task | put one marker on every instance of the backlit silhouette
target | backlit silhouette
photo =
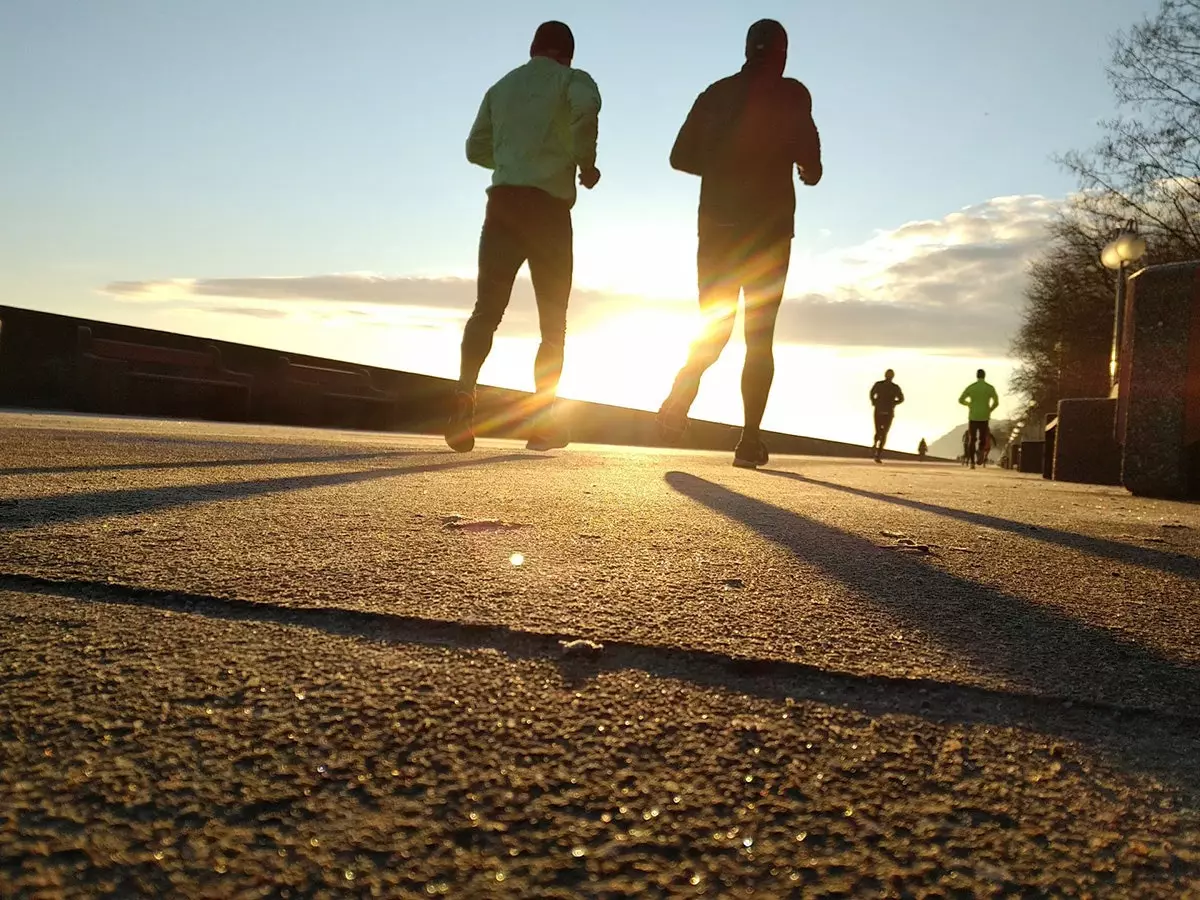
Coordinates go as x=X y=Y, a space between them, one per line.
x=885 y=397
x=743 y=137
x=536 y=127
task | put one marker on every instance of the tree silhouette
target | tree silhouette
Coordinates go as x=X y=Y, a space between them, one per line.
x=1147 y=166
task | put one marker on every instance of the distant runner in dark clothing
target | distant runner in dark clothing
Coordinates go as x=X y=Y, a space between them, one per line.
x=922 y=449
x=987 y=441
x=885 y=397
x=744 y=136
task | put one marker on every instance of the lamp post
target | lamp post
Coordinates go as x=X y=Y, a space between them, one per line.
x=1123 y=250
x=1058 y=365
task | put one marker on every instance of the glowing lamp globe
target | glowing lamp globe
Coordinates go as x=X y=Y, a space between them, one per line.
x=1132 y=247
x=1110 y=257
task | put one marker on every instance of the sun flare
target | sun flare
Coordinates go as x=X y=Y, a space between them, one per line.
x=629 y=361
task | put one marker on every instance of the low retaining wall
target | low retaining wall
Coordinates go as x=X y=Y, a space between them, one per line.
x=39 y=355
x=1085 y=449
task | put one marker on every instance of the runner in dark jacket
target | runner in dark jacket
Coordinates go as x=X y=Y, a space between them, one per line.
x=885 y=397
x=744 y=137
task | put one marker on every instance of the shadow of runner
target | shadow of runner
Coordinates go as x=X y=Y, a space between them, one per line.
x=31 y=513
x=1140 y=740
x=1006 y=635
x=199 y=463
x=1174 y=564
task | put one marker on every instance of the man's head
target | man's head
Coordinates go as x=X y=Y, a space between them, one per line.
x=767 y=45
x=555 y=41
x=889 y=375
x=981 y=374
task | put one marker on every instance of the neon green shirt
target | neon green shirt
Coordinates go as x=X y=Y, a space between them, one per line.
x=536 y=126
x=980 y=399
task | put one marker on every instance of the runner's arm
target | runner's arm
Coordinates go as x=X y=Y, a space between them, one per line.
x=807 y=150
x=583 y=97
x=689 y=151
x=479 y=141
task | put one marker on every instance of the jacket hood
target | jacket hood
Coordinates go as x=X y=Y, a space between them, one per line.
x=766 y=48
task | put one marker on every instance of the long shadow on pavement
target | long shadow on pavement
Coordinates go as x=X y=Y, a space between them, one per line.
x=1141 y=740
x=199 y=463
x=1026 y=643
x=38 y=511
x=1175 y=564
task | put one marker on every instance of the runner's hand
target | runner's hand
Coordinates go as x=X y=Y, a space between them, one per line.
x=589 y=178
x=809 y=176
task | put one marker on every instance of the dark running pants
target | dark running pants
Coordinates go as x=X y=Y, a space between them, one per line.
x=730 y=260
x=522 y=224
x=883 y=424
x=977 y=435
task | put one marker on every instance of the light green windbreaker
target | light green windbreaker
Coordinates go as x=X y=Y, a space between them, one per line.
x=537 y=126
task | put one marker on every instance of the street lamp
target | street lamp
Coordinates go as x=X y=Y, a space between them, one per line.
x=1123 y=250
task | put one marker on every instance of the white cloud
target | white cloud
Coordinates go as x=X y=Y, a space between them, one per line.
x=951 y=284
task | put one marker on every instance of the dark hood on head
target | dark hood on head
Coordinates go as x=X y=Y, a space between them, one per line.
x=766 y=48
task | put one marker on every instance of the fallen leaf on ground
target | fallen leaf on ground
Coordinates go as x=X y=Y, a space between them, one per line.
x=581 y=648
x=460 y=524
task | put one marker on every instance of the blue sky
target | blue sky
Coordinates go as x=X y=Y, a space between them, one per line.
x=147 y=141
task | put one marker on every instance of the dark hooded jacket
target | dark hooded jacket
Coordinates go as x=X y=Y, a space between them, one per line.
x=743 y=137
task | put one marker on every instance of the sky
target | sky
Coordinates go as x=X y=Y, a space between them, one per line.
x=291 y=174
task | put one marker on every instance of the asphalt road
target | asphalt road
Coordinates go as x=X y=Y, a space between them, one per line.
x=261 y=662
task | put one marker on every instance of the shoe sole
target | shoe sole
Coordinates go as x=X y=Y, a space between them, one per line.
x=460 y=428
x=460 y=440
x=539 y=447
x=671 y=438
x=671 y=432
x=748 y=463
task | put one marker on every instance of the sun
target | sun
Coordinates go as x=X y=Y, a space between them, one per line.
x=631 y=360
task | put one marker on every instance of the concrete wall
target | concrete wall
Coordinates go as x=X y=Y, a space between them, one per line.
x=39 y=357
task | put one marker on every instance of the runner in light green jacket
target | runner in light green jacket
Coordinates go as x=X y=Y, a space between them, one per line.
x=536 y=130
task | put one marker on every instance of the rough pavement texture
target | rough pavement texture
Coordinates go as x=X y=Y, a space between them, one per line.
x=264 y=662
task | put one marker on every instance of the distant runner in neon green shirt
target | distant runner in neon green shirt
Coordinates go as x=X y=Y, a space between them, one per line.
x=981 y=400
